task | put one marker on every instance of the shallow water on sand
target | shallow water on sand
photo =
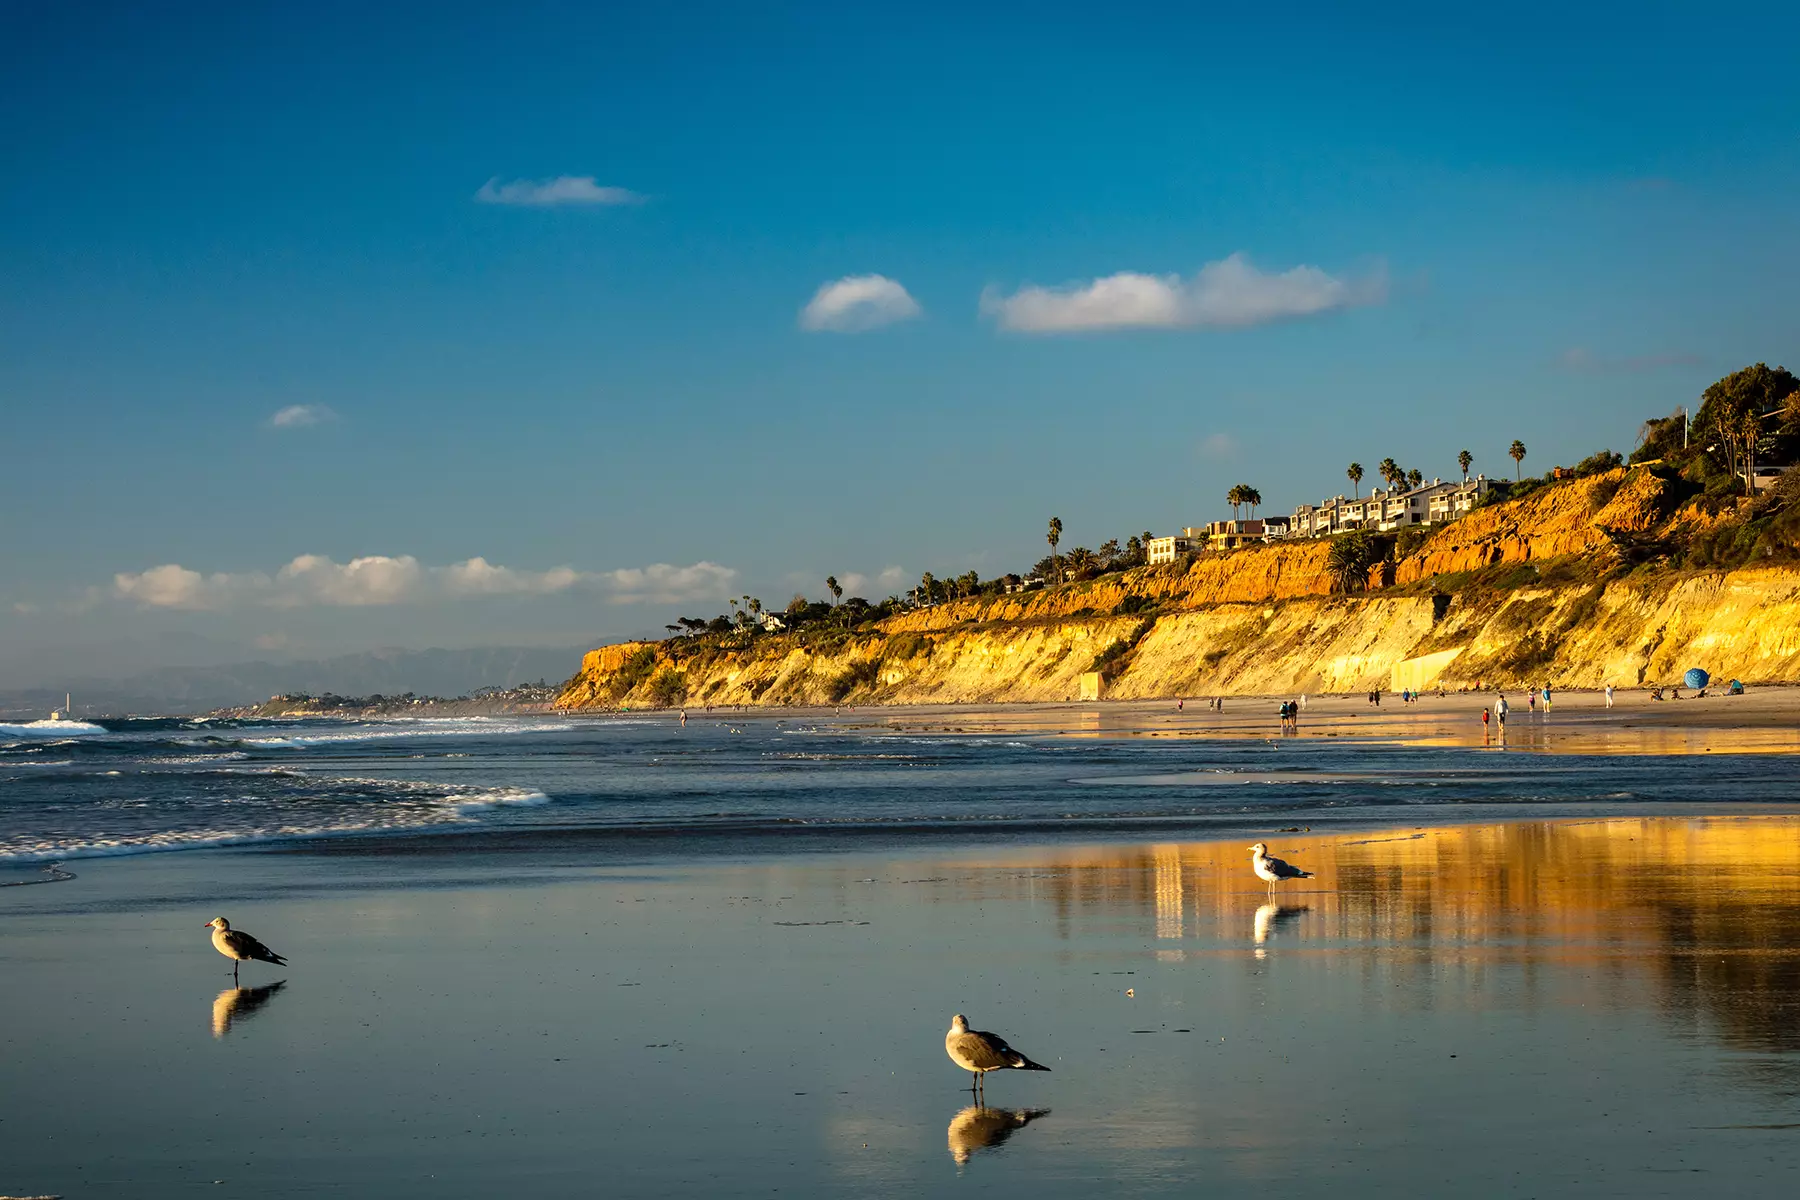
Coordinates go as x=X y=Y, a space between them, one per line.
x=645 y=786
x=1604 y=1007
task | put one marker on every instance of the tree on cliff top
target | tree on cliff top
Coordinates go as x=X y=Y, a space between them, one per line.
x=1356 y=476
x=1736 y=407
x=1054 y=537
x=1516 y=452
x=1390 y=472
x=1463 y=460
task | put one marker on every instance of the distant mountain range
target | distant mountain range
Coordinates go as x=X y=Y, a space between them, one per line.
x=390 y=672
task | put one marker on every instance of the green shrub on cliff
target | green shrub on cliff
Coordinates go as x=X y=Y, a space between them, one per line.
x=865 y=673
x=903 y=646
x=634 y=670
x=669 y=687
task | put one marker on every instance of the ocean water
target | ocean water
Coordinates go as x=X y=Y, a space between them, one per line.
x=648 y=786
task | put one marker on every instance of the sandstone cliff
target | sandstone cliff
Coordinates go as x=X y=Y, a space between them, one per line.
x=1528 y=591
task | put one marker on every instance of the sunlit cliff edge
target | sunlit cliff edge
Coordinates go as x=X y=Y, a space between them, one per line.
x=1564 y=586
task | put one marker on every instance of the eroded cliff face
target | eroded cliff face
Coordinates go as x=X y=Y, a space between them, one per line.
x=1264 y=621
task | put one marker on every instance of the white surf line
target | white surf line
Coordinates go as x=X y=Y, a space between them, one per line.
x=56 y=875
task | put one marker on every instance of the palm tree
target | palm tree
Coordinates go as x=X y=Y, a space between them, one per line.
x=1349 y=560
x=1387 y=468
x=831 y=585
x=1053 y=537
x=1356 y=474
x=1252 y=497
x=1415 y=477
x=1463 y=459
x=1516 y=452
x=1749 y=430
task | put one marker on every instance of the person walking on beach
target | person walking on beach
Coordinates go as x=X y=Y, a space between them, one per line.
x=1178 y=703
x=1500 y=709
x=1546 y=698
x=1531 y=701
x=1609 y=695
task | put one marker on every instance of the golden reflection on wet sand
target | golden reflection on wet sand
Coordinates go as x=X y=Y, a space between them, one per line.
x=1706 y=909
x=978 y=1127
x=239 y=1004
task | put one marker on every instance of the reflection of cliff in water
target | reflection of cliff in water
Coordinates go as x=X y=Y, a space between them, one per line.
x=1704 y=912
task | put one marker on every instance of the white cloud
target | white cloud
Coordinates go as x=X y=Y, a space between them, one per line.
x=377 y=580
x=856 y=303
x=668 y=584
x=299 y=416
x=551 y=193
x=870 y=586
x=1225 y=294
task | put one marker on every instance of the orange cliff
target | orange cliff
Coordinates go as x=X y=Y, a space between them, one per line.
x=1264 y=620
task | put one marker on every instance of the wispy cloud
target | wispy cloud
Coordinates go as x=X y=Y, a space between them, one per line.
x=300 y=416
x=856 y=303
x=1580 y=358
x=1218 y=446
x=375 y=580
x=551 y=193
x=1230 y=293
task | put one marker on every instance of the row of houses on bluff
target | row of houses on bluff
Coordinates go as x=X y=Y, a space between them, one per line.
x=1434 y=503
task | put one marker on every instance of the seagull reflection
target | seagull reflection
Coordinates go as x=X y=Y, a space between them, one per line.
x=236 y=1003
x=978 y=1127
x=1269 y=920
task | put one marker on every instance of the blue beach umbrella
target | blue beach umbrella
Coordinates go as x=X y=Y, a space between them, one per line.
x=1695 y=678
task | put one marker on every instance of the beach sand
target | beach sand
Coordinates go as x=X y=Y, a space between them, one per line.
x=1583 y=1008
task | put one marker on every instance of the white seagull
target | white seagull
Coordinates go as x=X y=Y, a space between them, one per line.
x=979 y=1052
x=239 y=946
x=1273 y=870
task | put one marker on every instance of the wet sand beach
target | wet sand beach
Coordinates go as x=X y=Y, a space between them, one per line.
x=1592 y=1007
x=1762 y=720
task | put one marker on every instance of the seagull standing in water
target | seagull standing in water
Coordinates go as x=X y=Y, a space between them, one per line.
x=1273 y=870
x=239 y=946
x=979 y=1052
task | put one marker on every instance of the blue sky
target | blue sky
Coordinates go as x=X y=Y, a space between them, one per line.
x=1424 y=233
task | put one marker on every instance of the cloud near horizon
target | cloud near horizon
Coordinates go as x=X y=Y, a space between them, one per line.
x=373 y=580
x=857 y=303
x=855 y=583
x=1230 y=293
x=552 y=193
x=300 y=416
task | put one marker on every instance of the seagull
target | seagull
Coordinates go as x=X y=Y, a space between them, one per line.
x=1273 y=869
x=240 y=946
x=980 y=1128
x=979 y=1052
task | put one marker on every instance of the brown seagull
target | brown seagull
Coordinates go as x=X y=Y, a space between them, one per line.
x=979 y=1052
x=239 y=946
